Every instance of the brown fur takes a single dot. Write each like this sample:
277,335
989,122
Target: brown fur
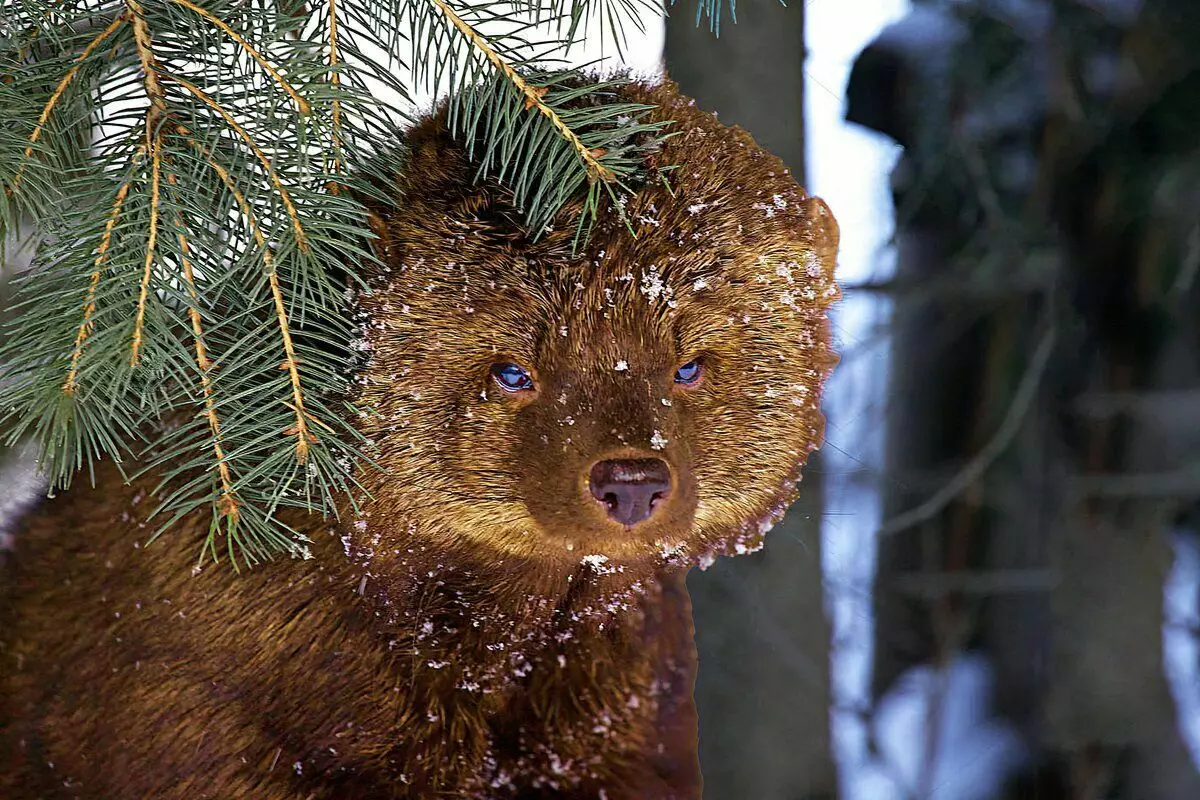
481,629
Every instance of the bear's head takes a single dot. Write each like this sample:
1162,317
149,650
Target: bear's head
648,399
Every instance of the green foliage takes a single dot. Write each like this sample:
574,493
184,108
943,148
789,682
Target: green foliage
191,168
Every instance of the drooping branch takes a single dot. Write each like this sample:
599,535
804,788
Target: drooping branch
228,502
89,304
150,70
284,195
155,149
533,94
335,80
154,115
301,104
60,89
304,437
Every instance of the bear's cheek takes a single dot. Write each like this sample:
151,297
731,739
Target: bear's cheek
485,443
748,443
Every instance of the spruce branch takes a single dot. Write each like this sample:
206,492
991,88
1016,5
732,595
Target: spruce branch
284,195
335,106
89,305
227,504
193,168
151,243
301,104
532,95
299,429
48,109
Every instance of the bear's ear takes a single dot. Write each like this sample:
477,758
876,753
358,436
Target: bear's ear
823,235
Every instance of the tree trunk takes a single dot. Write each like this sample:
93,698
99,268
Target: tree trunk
763,686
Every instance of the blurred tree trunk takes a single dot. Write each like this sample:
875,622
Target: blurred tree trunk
763,686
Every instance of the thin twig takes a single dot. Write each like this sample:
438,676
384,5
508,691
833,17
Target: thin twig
195,91
228,504
150,72
153,145
60,89
335,80
1022,400
89,303
301,104
151,250
532,94
304,437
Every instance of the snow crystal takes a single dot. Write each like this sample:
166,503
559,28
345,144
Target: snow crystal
777,204
621,366
658,441
812,266
699,284
669,550
653,286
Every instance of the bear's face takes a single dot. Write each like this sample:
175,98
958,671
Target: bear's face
651,398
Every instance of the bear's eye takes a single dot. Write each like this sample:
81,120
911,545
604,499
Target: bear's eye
512,377
688,373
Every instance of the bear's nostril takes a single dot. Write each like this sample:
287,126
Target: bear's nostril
630,489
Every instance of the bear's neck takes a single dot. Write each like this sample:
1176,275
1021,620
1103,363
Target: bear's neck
455,601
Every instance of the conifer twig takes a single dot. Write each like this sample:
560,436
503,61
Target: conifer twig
300,430
532,94
89,303
151,248
284,195
157,109
141,37
61,88
228,503
1023,398
335,80
301,104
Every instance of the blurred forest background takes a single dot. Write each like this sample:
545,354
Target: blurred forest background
989,588
1032,614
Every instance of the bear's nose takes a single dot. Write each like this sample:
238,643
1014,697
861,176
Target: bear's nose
630,489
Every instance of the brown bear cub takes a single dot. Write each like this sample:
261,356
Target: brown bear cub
565,435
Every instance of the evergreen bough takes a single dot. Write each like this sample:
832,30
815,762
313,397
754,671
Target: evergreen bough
188,170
